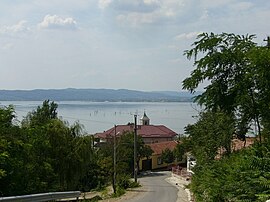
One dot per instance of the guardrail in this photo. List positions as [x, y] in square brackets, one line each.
[43, 197]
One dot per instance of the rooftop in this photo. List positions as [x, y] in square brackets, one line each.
[146, 131]
[161, 146]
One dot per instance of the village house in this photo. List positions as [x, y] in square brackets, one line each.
[236, 145]
[149, 133]
[155, 161]
[158, 137]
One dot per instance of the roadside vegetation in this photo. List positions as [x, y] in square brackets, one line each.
[44, 153]
[236, 98]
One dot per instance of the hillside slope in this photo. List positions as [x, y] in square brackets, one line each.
[95, 95]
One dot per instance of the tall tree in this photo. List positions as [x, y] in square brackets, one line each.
[238, 71]
[210, 134]
[45, 154]
[124, 155]
[42, 114]
[237, 95]
[167, 156]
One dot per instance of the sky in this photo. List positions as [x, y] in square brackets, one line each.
[116, 44]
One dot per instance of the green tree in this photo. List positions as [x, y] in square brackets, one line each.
[242, 176]
[237, 96]
[12, 154]
[238, 71]
[211, 133]
[124, 156]
[61, 149]
[45, 154]
[125, 149]
[7, 115]
[182, 148]
[167, 156]
[42, 114]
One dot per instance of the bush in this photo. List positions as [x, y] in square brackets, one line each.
[95, 198]
[242, 176]
[119, 192]
[133, 184]
[123, 181]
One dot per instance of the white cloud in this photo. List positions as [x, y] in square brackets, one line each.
[139, 12]
[102, 4]
[150, 1]
[152, 34]
[189, 35]
[57, 22]
[173, 6]
[151, 11]
[7, 46]
[216, 4]
[137, 6]
[205, 15]
[147, 12]
[242, 6]
[20, 27]
[134, 19]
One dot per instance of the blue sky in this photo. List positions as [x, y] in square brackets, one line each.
[132, 44]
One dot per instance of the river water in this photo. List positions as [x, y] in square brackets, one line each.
[100, 116]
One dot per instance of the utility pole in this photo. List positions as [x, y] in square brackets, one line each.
[135, 148]
[114, 160]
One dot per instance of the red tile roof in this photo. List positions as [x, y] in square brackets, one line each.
[161, 146]
[239, 144]
[146, 131]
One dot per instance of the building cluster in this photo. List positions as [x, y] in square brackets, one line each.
[158, 137]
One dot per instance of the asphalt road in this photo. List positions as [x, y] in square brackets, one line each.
[155, 188]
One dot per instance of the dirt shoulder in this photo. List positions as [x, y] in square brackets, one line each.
[180, 183]
[130, 193]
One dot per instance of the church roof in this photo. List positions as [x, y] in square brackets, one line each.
[146, 131]
[144, 117]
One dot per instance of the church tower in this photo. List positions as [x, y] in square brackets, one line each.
[145, 120]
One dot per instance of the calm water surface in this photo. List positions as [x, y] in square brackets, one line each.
[100, 116]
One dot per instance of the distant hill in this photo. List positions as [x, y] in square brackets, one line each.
[95, 95]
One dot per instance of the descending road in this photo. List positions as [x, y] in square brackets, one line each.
[155, 189]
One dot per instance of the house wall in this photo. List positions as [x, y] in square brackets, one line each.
[157, 163]
[191, 162]
[152, 140]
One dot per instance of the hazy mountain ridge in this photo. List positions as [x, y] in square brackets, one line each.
[95, 95]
